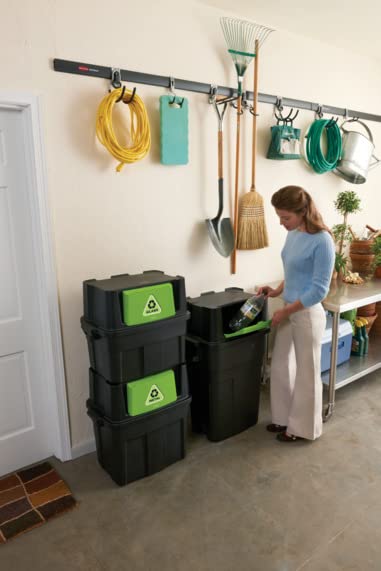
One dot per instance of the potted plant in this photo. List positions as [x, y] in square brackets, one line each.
[376, 250]
[341, 262]
[347, 202]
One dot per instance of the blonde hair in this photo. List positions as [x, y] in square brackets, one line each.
[296, 199]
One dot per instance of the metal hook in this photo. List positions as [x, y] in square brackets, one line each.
[120, 98]
[172, 89]
[236, 106]
[213, 93]
[319, 111]
[179, 103]
[116, 77]
[279, 104]
[279, 117]
[290, 119]
[332, 122]
[131, 98]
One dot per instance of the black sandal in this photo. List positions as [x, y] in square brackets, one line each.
[275, 428]
[284, 437]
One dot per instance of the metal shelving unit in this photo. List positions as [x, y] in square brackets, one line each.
[357, 367]
[343, 297]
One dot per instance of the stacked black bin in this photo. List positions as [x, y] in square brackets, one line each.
[131, 447]
[224, 372]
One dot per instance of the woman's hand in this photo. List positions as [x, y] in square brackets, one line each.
[278, 316]
[268, 291]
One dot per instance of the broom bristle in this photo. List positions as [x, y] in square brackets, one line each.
[252, 231]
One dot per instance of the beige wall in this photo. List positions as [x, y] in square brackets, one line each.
[151, 216]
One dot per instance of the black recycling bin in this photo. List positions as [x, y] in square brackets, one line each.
[111, 401]
[224, 372]
[138, 447]
[134, 324]
[135, 327]
[103, 299]
[134, 352]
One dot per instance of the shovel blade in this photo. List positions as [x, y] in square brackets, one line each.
[222, 235]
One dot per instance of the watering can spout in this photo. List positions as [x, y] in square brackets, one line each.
[375, 163]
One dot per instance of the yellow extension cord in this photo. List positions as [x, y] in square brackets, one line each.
[139, 131]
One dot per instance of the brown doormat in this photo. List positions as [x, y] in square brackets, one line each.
[29, 498]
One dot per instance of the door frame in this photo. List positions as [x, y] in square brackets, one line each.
[58, 417]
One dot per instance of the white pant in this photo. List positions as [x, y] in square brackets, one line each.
[295, 386]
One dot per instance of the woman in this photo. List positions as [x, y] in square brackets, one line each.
[308, 259]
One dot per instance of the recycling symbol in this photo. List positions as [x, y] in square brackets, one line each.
[152, 307]
[154, 395]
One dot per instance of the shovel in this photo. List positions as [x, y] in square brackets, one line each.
[221, 229]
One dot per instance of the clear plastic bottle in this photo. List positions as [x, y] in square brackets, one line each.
[248, 312]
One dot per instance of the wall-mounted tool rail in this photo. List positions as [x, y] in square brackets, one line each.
[91, 70]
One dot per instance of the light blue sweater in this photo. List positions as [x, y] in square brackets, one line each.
[308, 261]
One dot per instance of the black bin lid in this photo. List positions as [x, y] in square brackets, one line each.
[211, 312]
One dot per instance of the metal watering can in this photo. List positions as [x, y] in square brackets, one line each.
[357, 152]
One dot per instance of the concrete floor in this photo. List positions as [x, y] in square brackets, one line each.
[249, 503]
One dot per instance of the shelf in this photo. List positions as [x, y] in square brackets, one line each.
[342, 297]
[357, 367]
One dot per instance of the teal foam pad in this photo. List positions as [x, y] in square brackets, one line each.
[173, 131]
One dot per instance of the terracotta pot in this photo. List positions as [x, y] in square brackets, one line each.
[371, 319]
[361, 246]
[377, 273]
[376, 328]
[367, 310]
[362, 263]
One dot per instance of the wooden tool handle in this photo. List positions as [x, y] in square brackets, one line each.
[235, 225]
[352, 233]
[370, 228]
[255, 109]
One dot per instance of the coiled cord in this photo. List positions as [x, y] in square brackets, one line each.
[319, 162]
[140, 133]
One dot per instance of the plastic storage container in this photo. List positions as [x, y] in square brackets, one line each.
[140, 446]
[113, 401]
[138, 351]
[211, 312]
[224, 372]
[343, 347]
[107, 303]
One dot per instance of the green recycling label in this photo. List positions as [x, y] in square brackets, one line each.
[150, 393]
[154, 396]
[152, 306]
[146, 304]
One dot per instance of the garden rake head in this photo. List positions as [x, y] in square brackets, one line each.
[240, 37]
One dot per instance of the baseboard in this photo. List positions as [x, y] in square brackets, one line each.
[83, 448]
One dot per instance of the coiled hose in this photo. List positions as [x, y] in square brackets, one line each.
[323, 163]
[140, 133]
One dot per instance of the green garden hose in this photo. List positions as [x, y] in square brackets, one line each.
[319, 162]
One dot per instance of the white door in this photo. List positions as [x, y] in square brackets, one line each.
[24, 404]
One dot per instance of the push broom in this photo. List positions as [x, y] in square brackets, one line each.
[252, 231]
